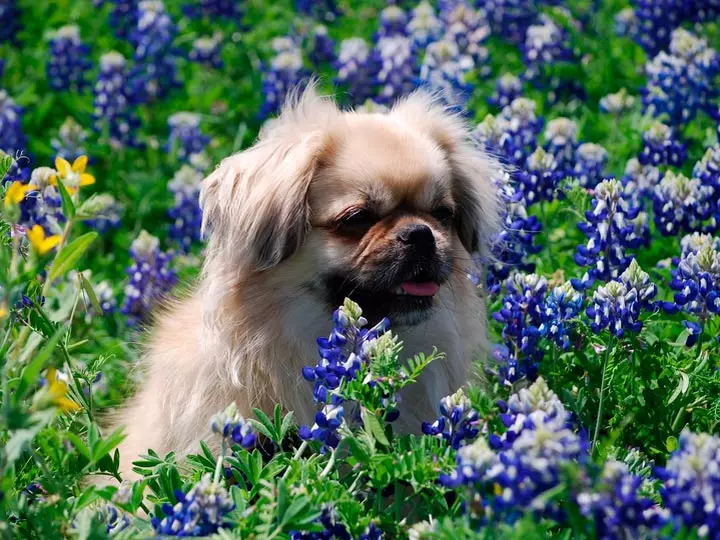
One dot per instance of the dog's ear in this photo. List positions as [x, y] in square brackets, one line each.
[255, 204]
[473, 169]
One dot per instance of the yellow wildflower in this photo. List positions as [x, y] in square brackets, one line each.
[16, 193]
[40, 242]
[73, 176]
[57, 389]
[3, 311]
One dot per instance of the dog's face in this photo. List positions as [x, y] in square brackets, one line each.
[385, 208]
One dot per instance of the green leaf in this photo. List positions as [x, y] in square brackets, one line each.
[87, 287]
[31, 373]
[264, 425]
[671, 443]
[70, 255]
[373, 424]
[79, 445]
[68, 207]
[682, 387]
[286, 424]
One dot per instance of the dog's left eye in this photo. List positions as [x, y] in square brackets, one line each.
[443, 214]
[358, 220]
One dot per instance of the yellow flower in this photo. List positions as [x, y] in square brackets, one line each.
[73, 176]
[57, 389]
[3, 311]
[16, 193]
[40, 242]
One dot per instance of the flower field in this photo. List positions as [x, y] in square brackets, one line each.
[597, 414]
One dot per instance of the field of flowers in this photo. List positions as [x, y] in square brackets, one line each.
[601, 412]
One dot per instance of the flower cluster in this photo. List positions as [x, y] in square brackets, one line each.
[42, 206]
[545, 44]
[540, 177]
[691, 483]
[681, 83]
[9, 21]
[512, 18]
[617, 103]
[199, 512]
[150, 278]
[113, 113]
[618, 304]
[613, 225]
[342, 354]
[458, 421]
[284, 72]
[639, 180]
[186, 139]
[12, 138]
[69, 144]
[155, 70]
[424, 26]
[186, 214]
[326, 10]
[123, 16]
[68, 60]
[508, 87]
[355, 70]
[682, 204]
[562, 305]
[232, 10]
[230, 425]
[334, 529]
[206, 51]
[661, 148]
[590, 162]
[393, 22]
[397, 74]
[561, 141]
[323, 46]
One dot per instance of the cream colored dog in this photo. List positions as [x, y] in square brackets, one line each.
[385, 208]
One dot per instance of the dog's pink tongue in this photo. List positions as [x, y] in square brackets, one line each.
[429, 288]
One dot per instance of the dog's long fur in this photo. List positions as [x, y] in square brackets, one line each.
[250, 325]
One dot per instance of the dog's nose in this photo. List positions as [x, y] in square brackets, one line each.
[417, 235]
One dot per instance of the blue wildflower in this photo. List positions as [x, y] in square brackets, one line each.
[186, 214]
[230, 425]
[468, 28]
[590, 162]
[149, 278]
[540, 176]
[42, 206]
[562, 306]
[12, 138]
[508, 87]
[682, 204]
[613, 225]
[512, 18]
[618, 304]
[639, 180]
[424, 26]
[661, 148]
[186, 139]
[323, 46]
[113, 102]
[332, 528]
[445, 70]
[323, 10]
[513, 134]
[115, 520]
[9, 21]
[458, 423]
[123, 16]
[545, 44]
[232, 10]
[393, 22]
[397, 74]
[617, 103]
[69, 63]
[155, 70]
[356, 69]
[691, 483]
[680, 83]
[199, 512]
[561, 141]
[285, 72]
[70, 142]
[206, 51]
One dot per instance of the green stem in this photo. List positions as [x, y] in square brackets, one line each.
[295, 457]
[219, 464]
[329, 465]
[602, 397]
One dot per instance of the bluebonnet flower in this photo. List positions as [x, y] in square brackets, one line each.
[356, 69]
[590, 162]
[536, 397]
[681, 83]
[444, 71]
[618, 103]
[513, 134]
[115, 520]
[639, 180]
[626, 23]
[284, 73]
[123, 17]
[12, 138]
[611, 230]
[618, 304]
[652, 22]
[9, 21]
[327, 10]
[113, 102]
[106, 210]
[230, 425]
[69, 61]
[516, 239]
[149, 277]
[458, 423]
[562, 305]
[661, 148]
[186, 139]
[545, 44]
[682, 204]
[707, 170]
[186, 214]
[692, 243]
[424, 26]
[199, 512]
[521, 315]
[511, 18]
[393, 22]
[42, 206]
[155, 70]
[223, 9]
[323, 46]
[561, 141]
[342, 355]
[691, 483]
[696, 281]
[508, 87]
[398, 64]
[619, 505]
[69, 143]
[540, 176]
[206, 51]
[332, 528]
[469, 29]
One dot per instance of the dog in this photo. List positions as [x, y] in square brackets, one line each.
[385, 208]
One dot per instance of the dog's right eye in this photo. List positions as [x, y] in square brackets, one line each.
[357, 221]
